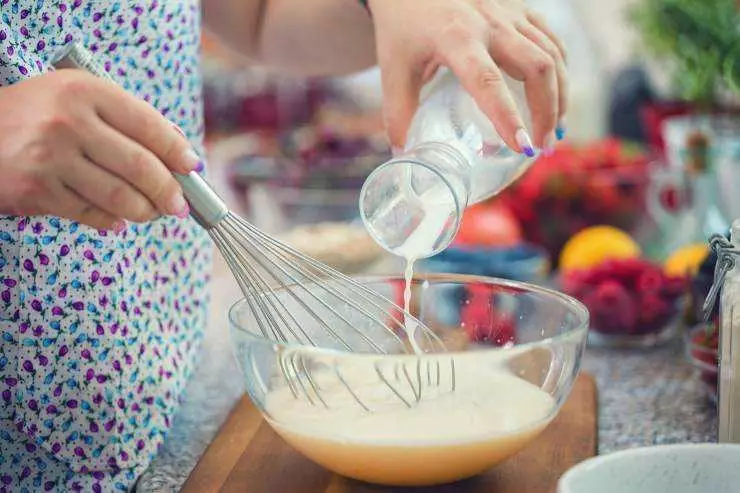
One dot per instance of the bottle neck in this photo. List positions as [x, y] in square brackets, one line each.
[450, 161]
[412, 205]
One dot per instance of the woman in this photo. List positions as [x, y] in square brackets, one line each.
[102, 273]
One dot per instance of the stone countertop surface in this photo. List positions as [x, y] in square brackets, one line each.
[645, 397]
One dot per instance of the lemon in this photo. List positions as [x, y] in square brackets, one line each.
[594, 245]
[686, 260]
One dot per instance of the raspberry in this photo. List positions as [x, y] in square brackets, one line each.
[597, 275]
[627, 270]
[610, 294]
[574, 284]
[654, 313]
[650, 281]
[613, 308]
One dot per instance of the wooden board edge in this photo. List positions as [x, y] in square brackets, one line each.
[223, 453]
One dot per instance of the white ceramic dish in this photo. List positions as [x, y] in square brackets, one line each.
[686, 468]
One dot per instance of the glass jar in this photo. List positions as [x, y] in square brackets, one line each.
[727, 286]
[412, 205]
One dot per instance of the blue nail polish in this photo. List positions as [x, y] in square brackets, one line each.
[528, 151]
[201, 166]
[560, 132]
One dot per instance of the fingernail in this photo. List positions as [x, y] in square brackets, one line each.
[201, 166]
[524, 142]
[185, 212]
[397, 150]
[179, 130]
[560, 129]
[178, 206]
[118, 227]
[549, 148]
[192, 160]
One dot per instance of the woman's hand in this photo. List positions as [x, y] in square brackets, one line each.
[75, 146]
[478, 40]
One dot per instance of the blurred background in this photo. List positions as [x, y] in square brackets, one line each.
[618, 216]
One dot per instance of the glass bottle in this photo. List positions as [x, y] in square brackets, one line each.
[412, 205]
[726, 289]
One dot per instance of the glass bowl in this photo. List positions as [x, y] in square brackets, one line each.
[417, 420]
[632, 302]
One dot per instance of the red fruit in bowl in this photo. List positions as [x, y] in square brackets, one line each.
[597, 275]
[615, 308]
[654, 312]
[574, 284]
[650, 281]
[611, 294]
[627, 270]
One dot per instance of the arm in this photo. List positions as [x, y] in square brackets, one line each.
[315, 37]
[479, 40]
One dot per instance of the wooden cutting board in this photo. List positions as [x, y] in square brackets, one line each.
[248, 457]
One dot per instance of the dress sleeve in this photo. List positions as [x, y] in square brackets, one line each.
[18, 60]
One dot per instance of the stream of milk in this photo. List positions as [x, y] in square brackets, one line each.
[420, 244]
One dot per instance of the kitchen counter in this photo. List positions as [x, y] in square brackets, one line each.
[645, 397]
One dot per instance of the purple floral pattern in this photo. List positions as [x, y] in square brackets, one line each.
[98, 332]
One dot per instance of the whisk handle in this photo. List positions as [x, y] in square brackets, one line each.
[206, 206]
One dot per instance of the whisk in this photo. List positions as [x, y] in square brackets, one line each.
[298, 301]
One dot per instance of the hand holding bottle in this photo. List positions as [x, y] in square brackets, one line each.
[479, 40]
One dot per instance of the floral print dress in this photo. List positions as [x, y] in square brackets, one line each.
[98, 332]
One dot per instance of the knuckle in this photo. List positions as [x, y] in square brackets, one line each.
[172, 151]
[543, 66]
[138, 166]
[73, 86]
[40, 152]
[57, 125]
[166, 190]
[118, 196]
[488, 78]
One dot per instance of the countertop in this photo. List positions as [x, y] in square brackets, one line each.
[645, 397]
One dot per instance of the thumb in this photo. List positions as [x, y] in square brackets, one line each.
[401, 87]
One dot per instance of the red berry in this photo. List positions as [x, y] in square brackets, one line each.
[611, 293]
[614, 307]
[649, 281]
[574, 283]
[654, 313]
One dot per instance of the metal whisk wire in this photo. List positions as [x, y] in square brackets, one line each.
[287, 292]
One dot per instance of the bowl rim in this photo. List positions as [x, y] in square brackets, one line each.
[591, 465]
[573, 304]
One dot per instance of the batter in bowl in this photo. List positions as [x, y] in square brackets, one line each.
[447, 436]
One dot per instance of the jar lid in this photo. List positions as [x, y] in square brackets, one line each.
[727, 252]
